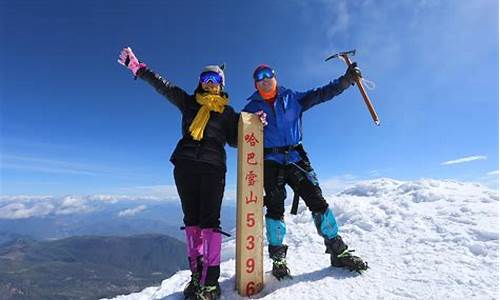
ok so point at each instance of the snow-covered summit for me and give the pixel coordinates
(425, 239)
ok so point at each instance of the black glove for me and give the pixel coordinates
(353, 73)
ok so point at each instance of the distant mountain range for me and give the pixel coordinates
(68, 247)
(87, 267)
(120, 218)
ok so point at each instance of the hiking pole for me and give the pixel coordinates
(345, 55)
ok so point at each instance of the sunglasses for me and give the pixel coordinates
(263, 74)
(214, 77)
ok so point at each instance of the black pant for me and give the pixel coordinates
(300, 178)
(201, 189)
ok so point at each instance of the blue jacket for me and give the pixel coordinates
(284, 126)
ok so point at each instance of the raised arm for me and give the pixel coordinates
(333, 88)
(173, 93)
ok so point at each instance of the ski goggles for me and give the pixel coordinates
(263, 74)
(214, 77)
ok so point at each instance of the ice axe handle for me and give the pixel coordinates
(364, 94)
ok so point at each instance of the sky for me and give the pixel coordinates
(74, 121)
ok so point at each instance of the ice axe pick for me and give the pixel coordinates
(345, 55)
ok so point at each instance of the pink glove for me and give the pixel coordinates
(262, 117)
(128, 59)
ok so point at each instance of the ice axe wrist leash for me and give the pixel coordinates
(359, 82)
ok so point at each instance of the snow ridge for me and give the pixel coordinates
(424, 239)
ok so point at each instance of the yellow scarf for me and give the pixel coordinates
(208, 103)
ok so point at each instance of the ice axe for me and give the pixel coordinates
(345, 55)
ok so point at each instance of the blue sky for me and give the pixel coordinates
(73, 121)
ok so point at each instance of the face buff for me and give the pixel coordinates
(208, 103)
(268, 96)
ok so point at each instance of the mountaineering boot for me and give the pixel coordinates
(340, 256)
(209, 285)
(194, 284)
(195, 257)
(278, 255)
(280, 269)
(276, 231)
(209, 292)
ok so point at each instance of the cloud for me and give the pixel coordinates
(339, 20)
(117, 198)
(464, 160)
(493, 173)
(22, 211)
(132, 211)
(73, 205)
(24, 198)
(74, 199)
(160, 192)
(25, 206)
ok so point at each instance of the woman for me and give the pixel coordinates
(208, 123)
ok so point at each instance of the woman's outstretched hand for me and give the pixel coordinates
(128, 59)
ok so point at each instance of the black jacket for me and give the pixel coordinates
(221, 128)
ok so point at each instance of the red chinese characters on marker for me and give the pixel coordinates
(251, 178)
(251, 199)
(250, 139)
(251, 159)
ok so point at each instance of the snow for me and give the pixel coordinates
(425, 239)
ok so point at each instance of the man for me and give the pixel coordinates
(286, 162)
